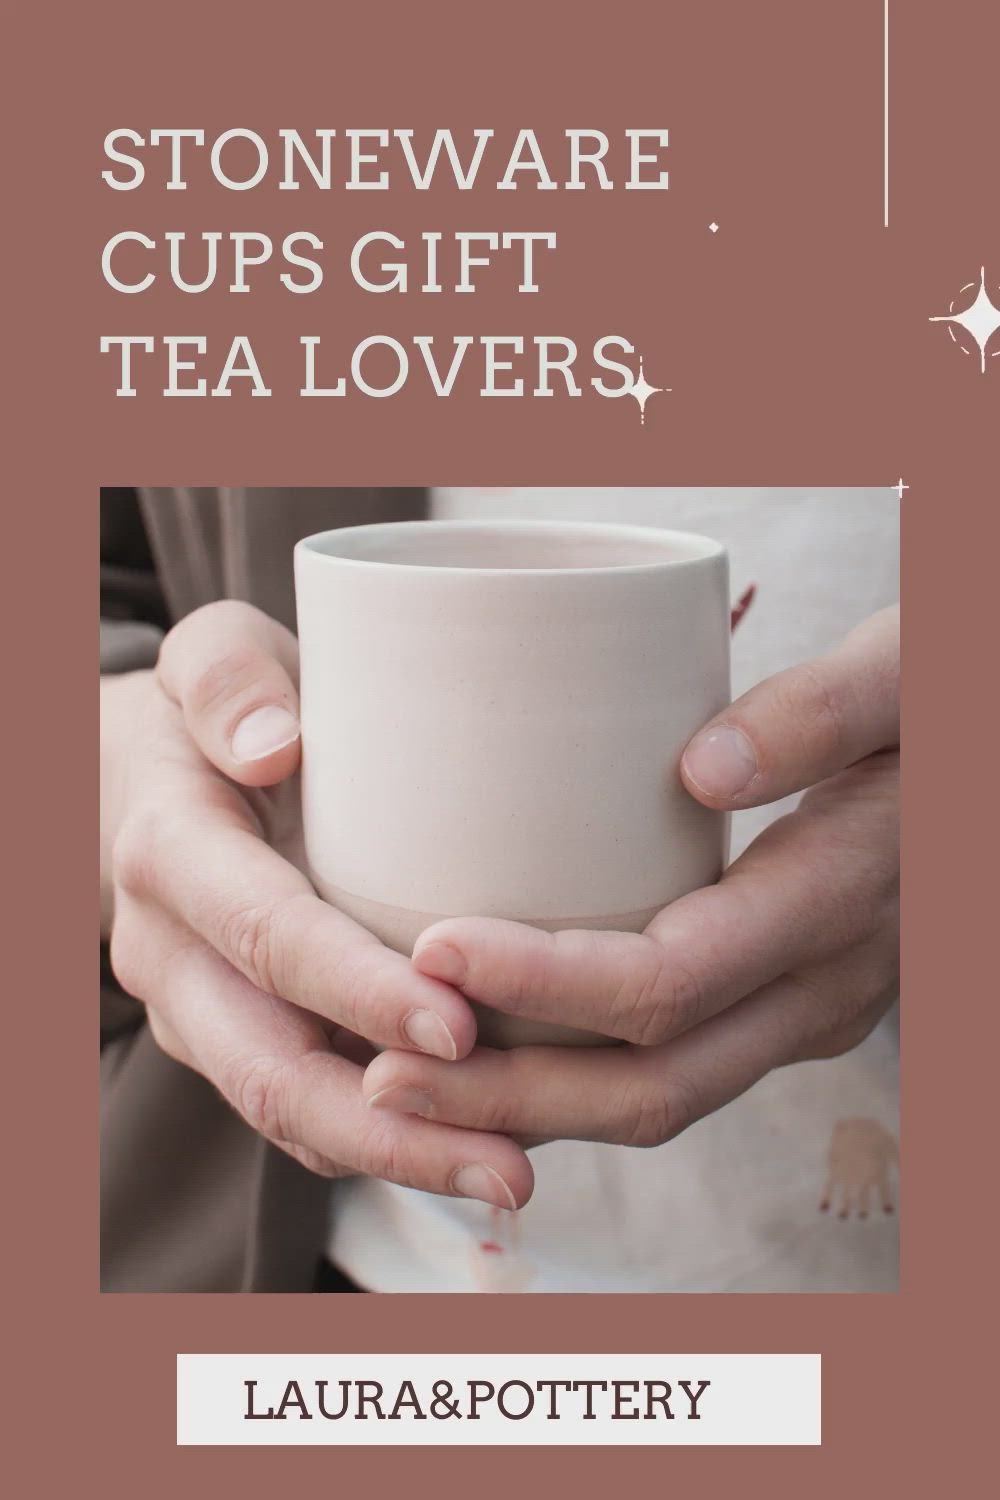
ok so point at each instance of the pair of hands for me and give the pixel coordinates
(277, 998)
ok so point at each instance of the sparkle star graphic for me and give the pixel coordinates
(981, 319)
(642, 390)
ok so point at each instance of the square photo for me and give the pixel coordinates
(499, 890)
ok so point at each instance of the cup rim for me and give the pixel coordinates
(703, 548)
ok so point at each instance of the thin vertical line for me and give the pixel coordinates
(885, 116)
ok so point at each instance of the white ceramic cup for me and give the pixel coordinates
(493, 713)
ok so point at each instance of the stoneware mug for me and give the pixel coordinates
(493, 713)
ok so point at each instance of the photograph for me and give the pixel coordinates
(499, 889)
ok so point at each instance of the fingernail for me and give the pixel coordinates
(442, 961)
(428, 1033)
(477, 1180)
(264, 731)
(721, 761)
(403, 1099)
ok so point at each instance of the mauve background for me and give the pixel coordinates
(797, 345)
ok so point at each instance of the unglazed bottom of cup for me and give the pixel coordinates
(399, 928)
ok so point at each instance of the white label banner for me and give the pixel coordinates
(433, 1400)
